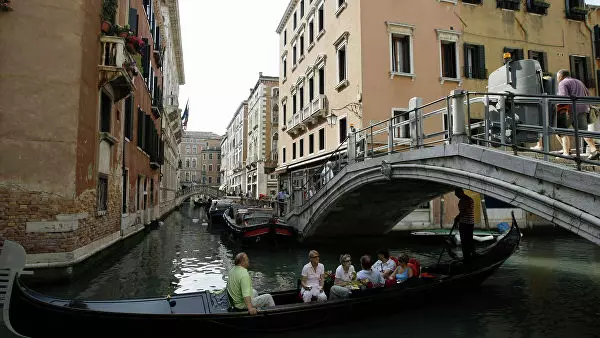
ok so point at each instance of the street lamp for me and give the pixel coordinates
(332, 119)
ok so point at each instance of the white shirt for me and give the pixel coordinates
(381, 267)
(340, 274)
(313, 277)
(373, 276)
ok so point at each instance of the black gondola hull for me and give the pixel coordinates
(35, 315)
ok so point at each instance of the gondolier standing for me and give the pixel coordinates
(466, 223)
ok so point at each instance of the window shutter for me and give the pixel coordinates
(466, 61)
(140, 129)
(481, 62)
(157, 39)
(133, 20)
(589, 73)
(572, 65)
(545, 65)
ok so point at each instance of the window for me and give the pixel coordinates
(342, 63)
(322, 80)
(294, 104)
(539, 57)
(401, 54)
(283, 155)
(194, 150)
(301, 98)
(187, 163)
(301, 45)
(129, 118)
(210, 167)
(295, 21)
(301, 9)
(285, 66)
(187, 150)
(448, 55)
(538, 6)
(478, 2)
(508, 4)
(301, 145)
(311, 31)
(194, 176)
(204, 156)
(343, 129)
(340, 6)
(203, 179)
(218, 156)
(218, 167)
(102, 199)
(321, 14)
(105, 113)
(218, 180)
(187, 176)
(516, 53)
(399, 117)
(285, 37)
(210, 156)
(576, 10)
(311, 143)
(194, 163)
(311, 89)
(322, 139)
(474, 58)
(581, 69)
(284, 113)
(204, 167)
(294, 151)
(294, 54)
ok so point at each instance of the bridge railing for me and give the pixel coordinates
(199, 189)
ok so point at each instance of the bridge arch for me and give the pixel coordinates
(368, 198)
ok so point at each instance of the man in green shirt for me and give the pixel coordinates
(239, 287)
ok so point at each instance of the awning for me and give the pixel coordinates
(313, 160)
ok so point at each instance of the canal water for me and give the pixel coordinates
(549, 288)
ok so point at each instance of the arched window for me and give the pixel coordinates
(187, 177)
(187, 149)
(187, 163)
(194, 163)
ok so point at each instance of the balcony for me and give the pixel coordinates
(317, 110)
(157, 102)
(295, 125)
(116, 67)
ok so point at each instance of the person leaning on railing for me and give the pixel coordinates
(568, 86)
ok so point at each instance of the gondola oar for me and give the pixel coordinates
(447, 241)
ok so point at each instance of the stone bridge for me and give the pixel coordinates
(188, 192)
(370, 195)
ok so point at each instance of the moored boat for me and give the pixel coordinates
(255, 224)
(32, 314)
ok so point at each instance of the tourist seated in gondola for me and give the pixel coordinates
(385, 265)
(367, 274)
(239, 288)
(313, 277)
(402, 272)
(345, 277)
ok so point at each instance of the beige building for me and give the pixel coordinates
(355, 62)
(200, 158)
(234, 150)
(262, 134)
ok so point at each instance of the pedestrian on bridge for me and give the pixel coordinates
(466, 223)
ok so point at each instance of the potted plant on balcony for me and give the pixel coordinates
(109, 9)
(5, 5)
(123, 32)
(134, 44)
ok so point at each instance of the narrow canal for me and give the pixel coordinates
(549, 288)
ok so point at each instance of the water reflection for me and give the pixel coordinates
(550, 287)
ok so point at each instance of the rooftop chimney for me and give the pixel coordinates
(260, 74)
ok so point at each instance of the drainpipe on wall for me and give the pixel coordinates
(593, 54)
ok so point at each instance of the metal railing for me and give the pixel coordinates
(199, 189)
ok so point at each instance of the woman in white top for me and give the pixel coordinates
(344, 275)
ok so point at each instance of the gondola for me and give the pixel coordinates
(32, 314)
(253, 225)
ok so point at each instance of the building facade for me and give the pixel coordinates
(234, 156)
(81, 171)
(201, 158)
(350, 63)
(171, 122)
(260, 165)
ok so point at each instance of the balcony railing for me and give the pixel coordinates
(116, 66)
(310, 114)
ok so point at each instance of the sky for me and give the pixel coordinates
(225, 45)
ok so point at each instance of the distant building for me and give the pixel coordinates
(201, 158)
(234, 153)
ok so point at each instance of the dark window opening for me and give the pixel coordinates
(474, 57)
(105, 112)
(402, 131)
(449, 59)
(580, 69)
(538, 7)
(301, 146)
(322, 81)
(294, 151)
(401, 54)
(283, 155)
(512, 5)
(311, 143)
(343, 129)
(321, 18)
(311, 89)
(539, 57)
(321, 139)
(342, 64)
(129, 118)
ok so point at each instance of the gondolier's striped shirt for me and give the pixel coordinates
(466, 206)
